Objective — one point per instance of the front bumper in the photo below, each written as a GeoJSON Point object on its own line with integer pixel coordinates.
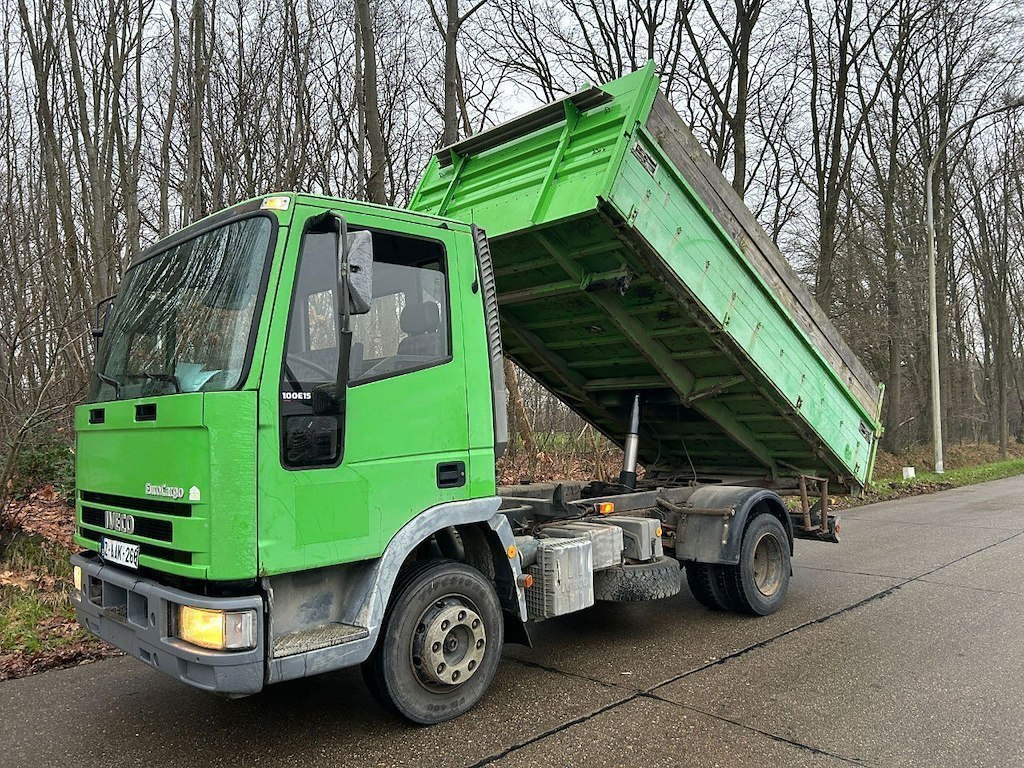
{"type": "Point", "coordinates": [133, 614]}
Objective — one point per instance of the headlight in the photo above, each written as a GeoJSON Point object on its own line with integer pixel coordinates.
{"type": "Point", "coordinates": [76, 574]}
{"type": "Point", "coordinates": [217, 630]}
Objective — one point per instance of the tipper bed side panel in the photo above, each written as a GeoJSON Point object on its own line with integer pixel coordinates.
{"type": "Point", "coordinates": [752, 326]}
{"type": "Point", "coordinates": [729, 211]}
{"type": "Point", "coordinates": [614, 278]}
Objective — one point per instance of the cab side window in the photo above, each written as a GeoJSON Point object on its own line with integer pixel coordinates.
{"type": "Point", "coordinates": [407, 327]}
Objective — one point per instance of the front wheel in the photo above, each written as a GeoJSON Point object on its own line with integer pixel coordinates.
{"type": "Point", "coordinates": [440, 643]}
{"type": "Point", "coordinates": [757, 584]}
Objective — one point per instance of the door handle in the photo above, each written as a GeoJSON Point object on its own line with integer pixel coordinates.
{"type": "Point", "coordinates": [451, 474]}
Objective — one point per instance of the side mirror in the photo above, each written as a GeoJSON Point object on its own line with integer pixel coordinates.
{"type": "Point", "coordinates": [357, 259]}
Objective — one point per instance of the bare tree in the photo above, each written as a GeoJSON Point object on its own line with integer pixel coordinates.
{"type": "Point", "coordinates": [730, 83]}
{"type": "Point", "coordinates": [375, 189]}
{"type": "Point", "coordinates": [454, 97]}
{"type": "Point", "coordinates": [127, 119]}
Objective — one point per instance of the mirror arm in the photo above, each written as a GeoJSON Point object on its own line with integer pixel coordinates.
{"type": "Point", "coordinates": [350, 299]}
{"type": "Point", "coordinates": [345, 333]}
{"type": "Point", "coordinates": [99, 328]}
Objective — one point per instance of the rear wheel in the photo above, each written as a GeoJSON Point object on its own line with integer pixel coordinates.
{"type": "Point", "coordinates": [440, 643]}
{"type": "Point", "coordinates": [707, 585]}
{"type": "Point", "coordinates": [757, 584]}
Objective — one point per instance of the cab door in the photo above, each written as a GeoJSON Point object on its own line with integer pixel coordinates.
{"type": "Point", "coordinates": [335, 488]}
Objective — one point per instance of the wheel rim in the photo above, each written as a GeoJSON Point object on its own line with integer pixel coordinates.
{"type": "Point", "coordinates": [449, 643]}
{"type": "Point", "coordinates": [769, 564]}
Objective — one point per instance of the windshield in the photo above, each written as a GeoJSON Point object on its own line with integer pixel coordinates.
{"type": "Point", "coordinates": [183, 318]}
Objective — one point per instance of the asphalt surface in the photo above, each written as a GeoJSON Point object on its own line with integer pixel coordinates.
{"type": "Point", "coordinates": [902, 646]}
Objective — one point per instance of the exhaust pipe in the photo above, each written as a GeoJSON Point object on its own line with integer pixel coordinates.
{"type": "Point", "coordinates": [627, 477]}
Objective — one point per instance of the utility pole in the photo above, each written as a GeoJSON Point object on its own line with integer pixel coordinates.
{"type": "Point", "coordinates": [933, 320]}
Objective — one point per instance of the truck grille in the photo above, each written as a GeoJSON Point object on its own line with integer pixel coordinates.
{"type": "Point", "coordinates": [144, 526]}
{"type": "Point", "coordinates": [141, 505]}
{"type": "Point", "coordinates": [157, 536]}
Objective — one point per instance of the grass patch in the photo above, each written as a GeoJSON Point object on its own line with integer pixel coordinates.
{"type": "Point", "coordinates": [35, 588]}
{"type": "Point", "coordinates": [926, 482]}
{"type": "Point", "coordinates": [888, 466]}
{"type": "Point", "coordinates": [38, 630]}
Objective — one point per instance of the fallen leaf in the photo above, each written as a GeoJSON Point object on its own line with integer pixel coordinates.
{"type": "Point", "coordinates": [45, 493]}
{"type": "Point", "coordinates": [21, 580]}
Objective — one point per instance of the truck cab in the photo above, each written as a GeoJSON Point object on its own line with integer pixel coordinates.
{"type": "Point", "coordinates": [234, 509]}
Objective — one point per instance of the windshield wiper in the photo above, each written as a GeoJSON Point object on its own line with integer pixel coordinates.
{"type": "Point", "coordinates": [168, 377]}
{"type": "Point", "coordinates": [112, 382]}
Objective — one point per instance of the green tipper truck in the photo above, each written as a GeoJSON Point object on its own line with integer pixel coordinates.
{"type": "Point", "coordinates": [286, 465]}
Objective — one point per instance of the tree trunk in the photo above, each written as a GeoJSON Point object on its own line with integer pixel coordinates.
{"type": "Point", "coordinates": [517, 413]}
{"type": "Point", "coordinates": [375, 189]}
{"type": "Point", "coordinates": [451, 74]}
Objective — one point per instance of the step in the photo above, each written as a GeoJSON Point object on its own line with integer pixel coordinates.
{"type": "Point", "coordinates": [316, 638]}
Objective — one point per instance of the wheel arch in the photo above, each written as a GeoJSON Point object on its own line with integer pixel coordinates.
{"type": "Point", "coordinates": [486, 541]}
{"type": "Point", "coordinates": [711, 538]}
{"type": "Point", "coordinates": [368, 586]}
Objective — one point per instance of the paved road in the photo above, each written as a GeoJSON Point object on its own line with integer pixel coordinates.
{"type": "Point", "coordinates": [900, 647]}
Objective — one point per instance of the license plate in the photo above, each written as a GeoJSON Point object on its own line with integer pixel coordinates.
{"type": "Point", "coordinates": [120, 552]}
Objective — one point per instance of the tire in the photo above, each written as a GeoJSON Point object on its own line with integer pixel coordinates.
{"type": "Point", "coordinates": [655, 580]}
{"type": "Point", "coordinates": [707, 585]}
{"type": "Point", "coordinates": [439, 645]}
{"type": "Point", "coordinates": [757, 584]}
